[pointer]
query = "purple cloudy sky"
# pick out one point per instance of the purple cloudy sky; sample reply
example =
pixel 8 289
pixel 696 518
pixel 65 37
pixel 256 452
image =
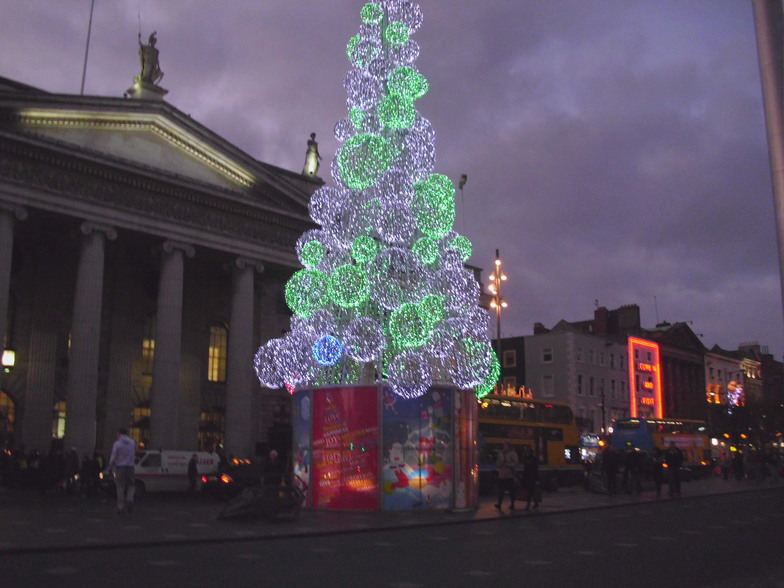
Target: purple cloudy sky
pixel 615 149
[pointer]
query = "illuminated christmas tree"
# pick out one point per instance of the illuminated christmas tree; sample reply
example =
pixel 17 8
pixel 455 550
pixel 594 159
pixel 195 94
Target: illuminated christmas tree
pixel 384 295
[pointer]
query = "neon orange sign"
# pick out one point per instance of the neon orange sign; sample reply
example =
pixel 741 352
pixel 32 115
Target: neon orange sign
pixel 655 387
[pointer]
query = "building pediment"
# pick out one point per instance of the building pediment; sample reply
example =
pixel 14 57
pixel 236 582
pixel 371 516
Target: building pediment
pixel 153 136
pixel 148 138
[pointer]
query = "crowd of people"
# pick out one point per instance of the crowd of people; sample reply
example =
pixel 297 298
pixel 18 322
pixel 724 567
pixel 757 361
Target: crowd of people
pixel 627 470
pixel 56 470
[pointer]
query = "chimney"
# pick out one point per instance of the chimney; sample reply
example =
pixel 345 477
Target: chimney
pixel 601 317
pixel 539 329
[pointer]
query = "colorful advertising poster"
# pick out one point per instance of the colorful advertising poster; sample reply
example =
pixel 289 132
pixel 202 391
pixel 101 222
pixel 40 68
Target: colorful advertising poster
pixel 467 458
pixel 418 450
pixel 345 448
pixel 301 423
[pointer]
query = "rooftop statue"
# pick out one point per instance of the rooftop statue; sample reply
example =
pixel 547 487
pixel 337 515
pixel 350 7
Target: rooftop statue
pixel 148 56
pixel 312 157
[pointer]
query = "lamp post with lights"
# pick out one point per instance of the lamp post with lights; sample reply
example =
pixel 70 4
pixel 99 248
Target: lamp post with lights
pixel 498 301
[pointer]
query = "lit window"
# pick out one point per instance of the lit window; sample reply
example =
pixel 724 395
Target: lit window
pixel 148 344
pixel 216 366
pixel 58 420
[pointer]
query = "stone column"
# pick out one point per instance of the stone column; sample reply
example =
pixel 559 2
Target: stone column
pixel 168 347
pixel 6 250
pixel 240 378
pixel 86 339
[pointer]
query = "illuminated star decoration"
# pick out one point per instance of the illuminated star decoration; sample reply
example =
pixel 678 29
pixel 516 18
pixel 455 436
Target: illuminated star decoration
pixel 384 295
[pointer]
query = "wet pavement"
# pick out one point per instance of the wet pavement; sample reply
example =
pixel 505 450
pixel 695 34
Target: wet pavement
pixel 33 523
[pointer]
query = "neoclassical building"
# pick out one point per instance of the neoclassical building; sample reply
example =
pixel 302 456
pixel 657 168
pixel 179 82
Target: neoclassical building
pixel 142 262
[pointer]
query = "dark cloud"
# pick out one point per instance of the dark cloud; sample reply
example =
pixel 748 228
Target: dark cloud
pixel 615 149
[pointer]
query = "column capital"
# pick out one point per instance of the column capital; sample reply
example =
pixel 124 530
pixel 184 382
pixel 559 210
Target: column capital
pixel 187 248
pixel 88 228
pixel 20 212
pixel 243 262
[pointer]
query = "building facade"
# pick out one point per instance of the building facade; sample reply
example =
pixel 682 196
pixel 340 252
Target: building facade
pixel 142 262
pixel 585 370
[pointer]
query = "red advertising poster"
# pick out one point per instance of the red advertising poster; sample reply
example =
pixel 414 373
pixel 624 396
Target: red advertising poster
pixel 345 448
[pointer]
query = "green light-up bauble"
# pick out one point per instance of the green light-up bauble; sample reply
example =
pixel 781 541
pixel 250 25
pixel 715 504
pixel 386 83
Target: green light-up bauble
pixel 396 112
pixel 307 291
pixel 426 249
pixel 462 246
pixel 312 253
pixel 408 82
pixel 363 159
pixel 356 116
pixel 397 33
pixel 434 205
pixel 371 13
pixel 364 249
pixel 351 45
pixel 432 310
pixel 406 326
pixel 489 383
pixel 348 286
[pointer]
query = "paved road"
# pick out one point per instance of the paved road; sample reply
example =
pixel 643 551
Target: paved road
pixel 718 540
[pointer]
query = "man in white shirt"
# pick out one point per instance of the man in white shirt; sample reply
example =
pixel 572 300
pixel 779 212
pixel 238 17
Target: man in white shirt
pixel 122 461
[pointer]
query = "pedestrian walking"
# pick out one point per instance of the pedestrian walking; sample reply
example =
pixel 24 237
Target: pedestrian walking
pixel 193 473
pixel 505 464
pixel 122 461
pixel 657 469
pixel 611 461
pixel 673 459
pixel 531 478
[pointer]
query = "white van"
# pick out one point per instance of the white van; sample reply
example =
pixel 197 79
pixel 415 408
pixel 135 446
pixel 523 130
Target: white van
pixel 167 471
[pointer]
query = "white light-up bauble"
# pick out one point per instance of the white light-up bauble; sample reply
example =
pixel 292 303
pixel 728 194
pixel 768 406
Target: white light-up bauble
pixel 295 358
pixel 363 339
pixel 266 366
pixel 326 204
pixel 469 362
pixel 321 322
pixel 370 32
pixel 344 130
pixel 396 277
pixel 404 54
pixel 459 286
pixel 478 320
pixel 406 12
pixel 419 156
pixel 441 342
pixel 363 90
pixel 394 188
pixel 395 224
pixel 409 374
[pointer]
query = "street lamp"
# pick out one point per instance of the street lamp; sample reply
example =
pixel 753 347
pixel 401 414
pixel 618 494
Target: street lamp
pixel 9 359
pixel 498 301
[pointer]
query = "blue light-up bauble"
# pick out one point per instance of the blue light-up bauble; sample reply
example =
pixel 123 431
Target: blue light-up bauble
pixel 327 350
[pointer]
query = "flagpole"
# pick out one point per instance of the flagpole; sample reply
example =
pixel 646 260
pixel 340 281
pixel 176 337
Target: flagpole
pixel 87 48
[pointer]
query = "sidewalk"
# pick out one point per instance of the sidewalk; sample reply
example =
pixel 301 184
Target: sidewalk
pixel 31 523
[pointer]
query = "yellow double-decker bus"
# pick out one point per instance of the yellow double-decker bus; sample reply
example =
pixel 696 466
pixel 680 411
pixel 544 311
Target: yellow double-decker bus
pixel 547 428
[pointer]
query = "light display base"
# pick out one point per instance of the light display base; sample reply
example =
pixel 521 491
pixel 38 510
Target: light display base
pixel 361 447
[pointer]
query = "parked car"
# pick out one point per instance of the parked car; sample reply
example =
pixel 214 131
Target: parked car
pixel 232 481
